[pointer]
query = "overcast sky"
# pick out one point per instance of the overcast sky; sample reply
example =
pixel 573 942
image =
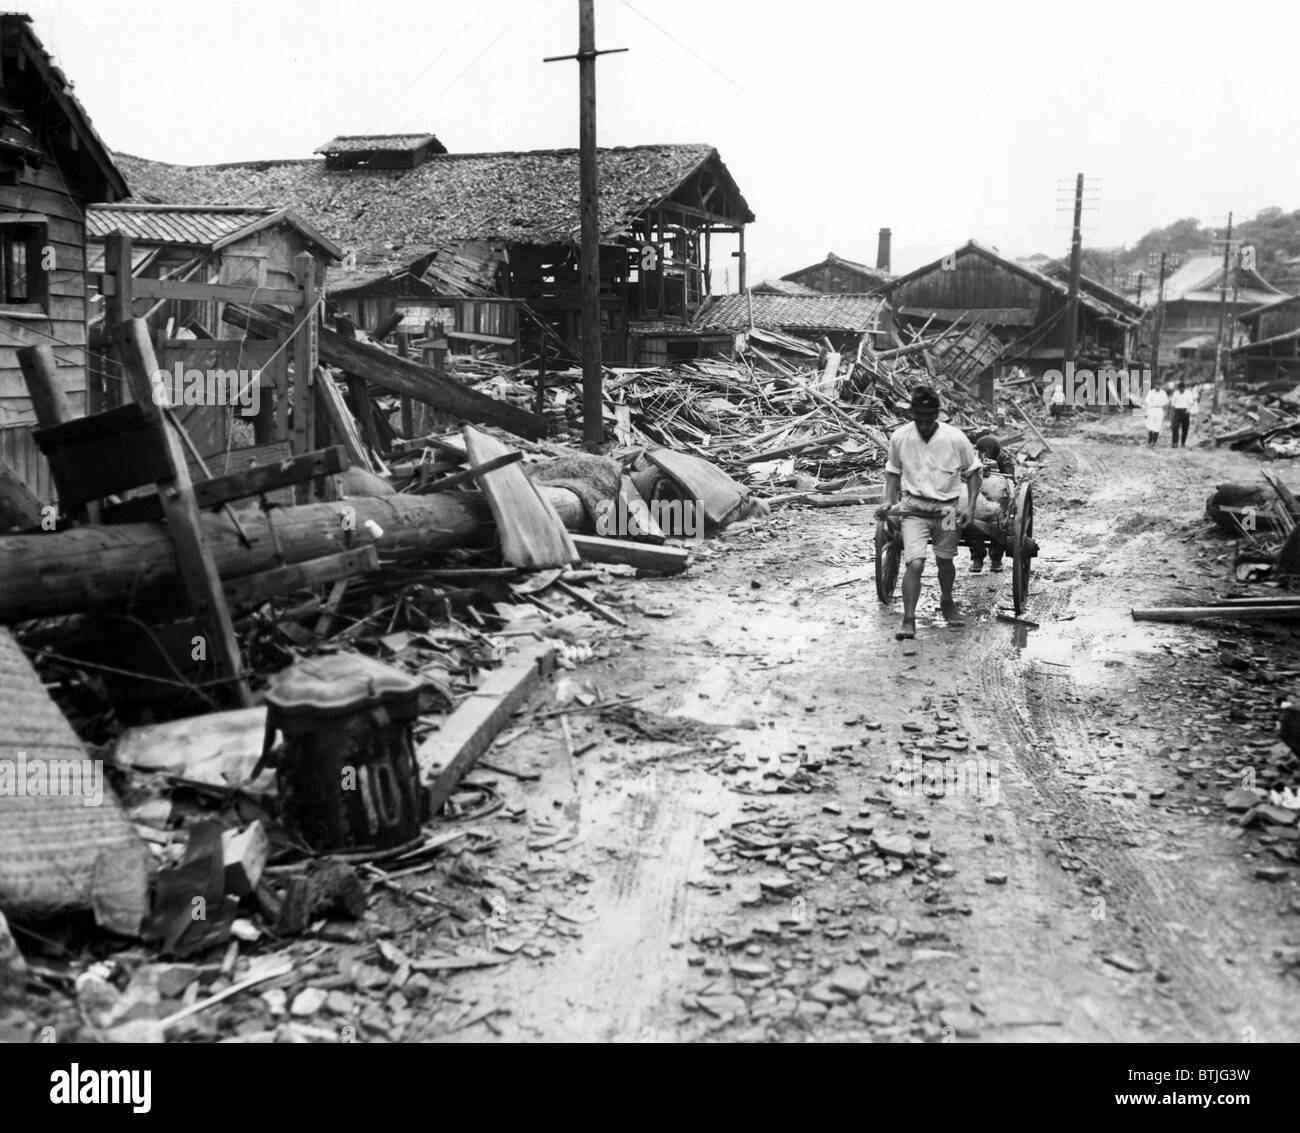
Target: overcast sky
pixel 941 120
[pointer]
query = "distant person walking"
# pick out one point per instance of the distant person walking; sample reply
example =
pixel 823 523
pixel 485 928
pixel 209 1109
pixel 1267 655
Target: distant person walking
pixel 1157 401
pixel 1181 405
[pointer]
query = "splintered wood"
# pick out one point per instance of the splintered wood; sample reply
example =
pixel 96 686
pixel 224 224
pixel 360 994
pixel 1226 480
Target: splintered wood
pixel 532 535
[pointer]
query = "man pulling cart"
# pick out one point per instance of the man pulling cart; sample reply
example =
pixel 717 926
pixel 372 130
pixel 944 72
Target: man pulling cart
pixel 929 462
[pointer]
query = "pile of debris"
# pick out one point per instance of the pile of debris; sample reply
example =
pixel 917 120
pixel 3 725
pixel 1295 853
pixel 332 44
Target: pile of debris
pixel 1266 421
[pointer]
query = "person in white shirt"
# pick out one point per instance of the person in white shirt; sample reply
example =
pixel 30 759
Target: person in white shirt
pixel 1058 401
pixel 1156 402
pixel 1181 404
pixel 928 463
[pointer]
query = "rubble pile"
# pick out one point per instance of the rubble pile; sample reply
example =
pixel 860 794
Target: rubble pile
pixel 1265 421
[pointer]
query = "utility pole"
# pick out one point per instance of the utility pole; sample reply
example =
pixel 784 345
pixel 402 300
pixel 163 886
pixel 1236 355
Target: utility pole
pixel 1076 253
pixel 1223 311
pixel 1160 323
pixel 593 401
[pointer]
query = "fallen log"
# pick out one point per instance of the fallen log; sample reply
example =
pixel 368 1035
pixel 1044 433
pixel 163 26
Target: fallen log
pixel 105 569
pixel 1199 613
pixel 398 375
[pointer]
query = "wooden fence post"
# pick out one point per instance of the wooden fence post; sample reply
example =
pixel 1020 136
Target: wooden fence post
pixel 304 364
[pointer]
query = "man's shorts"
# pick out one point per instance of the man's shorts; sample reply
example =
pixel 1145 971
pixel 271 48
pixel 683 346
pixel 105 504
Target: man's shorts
pixel 918 531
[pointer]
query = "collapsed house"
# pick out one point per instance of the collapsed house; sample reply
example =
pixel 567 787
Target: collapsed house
pixel 1024 308
pixel 792 323
pixel 498 231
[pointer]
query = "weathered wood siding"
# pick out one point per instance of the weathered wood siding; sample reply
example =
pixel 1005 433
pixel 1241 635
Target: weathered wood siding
pixel 45 191
pixel 971 283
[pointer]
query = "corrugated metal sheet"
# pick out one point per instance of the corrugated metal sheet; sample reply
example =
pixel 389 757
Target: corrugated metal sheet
pixel 162 224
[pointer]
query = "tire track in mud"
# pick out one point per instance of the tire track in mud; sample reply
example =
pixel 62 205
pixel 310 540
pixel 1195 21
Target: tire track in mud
pixel 1147 902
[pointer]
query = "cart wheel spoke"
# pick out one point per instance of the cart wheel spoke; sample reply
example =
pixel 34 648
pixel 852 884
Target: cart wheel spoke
pixel 887 555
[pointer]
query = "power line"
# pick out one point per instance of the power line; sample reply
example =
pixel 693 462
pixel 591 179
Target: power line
pixel 515 23
pixel 711 67
pixel 429 65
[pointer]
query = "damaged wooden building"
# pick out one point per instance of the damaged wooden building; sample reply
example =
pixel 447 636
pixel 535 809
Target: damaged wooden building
pixel 1025 308
pixel 487 244
pixel 53 165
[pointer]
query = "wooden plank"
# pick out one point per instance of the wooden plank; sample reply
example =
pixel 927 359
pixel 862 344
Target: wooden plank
pixel 532 535
pixel 1197 613
pixel 342 424
pixel 493 339
pixel 197 569
pixel 845 499
pixel 304 363
pixel 19 506
pixel 49 397
pixel 450 753
pixel 207 292
pixel 647 529
pixel 464 476
pixel 267 477
pixel 645 556
pixel 254 589
pixel 397 375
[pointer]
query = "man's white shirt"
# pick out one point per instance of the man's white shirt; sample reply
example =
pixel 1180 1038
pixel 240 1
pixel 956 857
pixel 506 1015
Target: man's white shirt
pixel 934 469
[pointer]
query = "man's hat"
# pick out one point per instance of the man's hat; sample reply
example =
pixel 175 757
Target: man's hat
pixel 925 397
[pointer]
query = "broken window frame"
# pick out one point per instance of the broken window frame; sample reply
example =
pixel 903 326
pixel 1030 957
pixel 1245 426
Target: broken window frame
pixel 30 233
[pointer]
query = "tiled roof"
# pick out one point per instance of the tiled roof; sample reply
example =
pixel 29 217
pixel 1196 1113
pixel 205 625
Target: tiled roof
pixel 783 287
pixel 792 312
pixel 367 143
pixel 159 224
pixel 1198 277
pixel 839 261
pixel 209 226
pixel 525 198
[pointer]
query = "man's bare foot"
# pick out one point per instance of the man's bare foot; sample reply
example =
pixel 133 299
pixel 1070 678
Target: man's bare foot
pixel 951 612
pixel 908 632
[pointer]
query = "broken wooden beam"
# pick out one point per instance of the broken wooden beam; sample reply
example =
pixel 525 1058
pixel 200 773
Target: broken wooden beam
pixel 1199 613
pixel 268 477
pixel 643 556
pixel 448 755
pixel 254 589
pixel 468 474
pixel 19 505
pixel 844 499
pixel 532 534
pixel 181 514
pixel 397 375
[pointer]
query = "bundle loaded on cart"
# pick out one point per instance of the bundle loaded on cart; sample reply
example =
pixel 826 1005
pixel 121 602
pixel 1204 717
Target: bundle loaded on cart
pixel 1003 521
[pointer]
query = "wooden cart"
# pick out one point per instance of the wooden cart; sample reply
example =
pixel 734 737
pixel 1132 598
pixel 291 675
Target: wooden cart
pixel 1013 532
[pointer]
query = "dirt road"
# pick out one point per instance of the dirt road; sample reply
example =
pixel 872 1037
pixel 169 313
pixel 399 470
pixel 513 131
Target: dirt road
pixel 991 833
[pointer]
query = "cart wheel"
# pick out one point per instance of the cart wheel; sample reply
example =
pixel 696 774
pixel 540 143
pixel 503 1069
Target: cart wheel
pixel 1022 547
pixel 888 551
